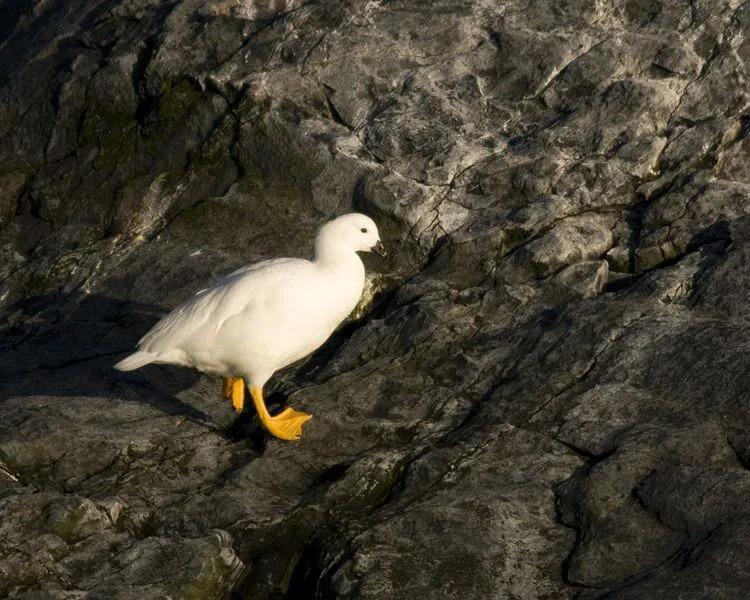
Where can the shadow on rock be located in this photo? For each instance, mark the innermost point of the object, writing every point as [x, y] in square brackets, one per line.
[713, 242]
[56, 349]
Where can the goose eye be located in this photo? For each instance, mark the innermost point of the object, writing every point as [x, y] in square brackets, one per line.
[364, 230]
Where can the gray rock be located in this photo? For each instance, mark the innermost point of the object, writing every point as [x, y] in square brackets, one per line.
[543, 393]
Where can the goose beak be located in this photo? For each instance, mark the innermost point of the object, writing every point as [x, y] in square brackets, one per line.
[379, 249]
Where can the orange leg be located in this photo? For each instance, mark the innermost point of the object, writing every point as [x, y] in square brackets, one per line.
[233, 388]
[287, 425]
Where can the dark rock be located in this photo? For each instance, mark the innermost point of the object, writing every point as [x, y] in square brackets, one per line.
[544, 391]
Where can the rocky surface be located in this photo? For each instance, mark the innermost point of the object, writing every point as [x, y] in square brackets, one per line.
[546, 394]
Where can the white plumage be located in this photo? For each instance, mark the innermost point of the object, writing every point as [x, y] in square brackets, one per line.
[265, 316]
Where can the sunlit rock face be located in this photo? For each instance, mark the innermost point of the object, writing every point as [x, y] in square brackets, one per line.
[543, 393]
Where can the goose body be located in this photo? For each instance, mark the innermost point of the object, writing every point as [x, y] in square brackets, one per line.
[267, 315]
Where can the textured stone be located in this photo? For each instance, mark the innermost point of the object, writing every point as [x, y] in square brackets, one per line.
[544, 391]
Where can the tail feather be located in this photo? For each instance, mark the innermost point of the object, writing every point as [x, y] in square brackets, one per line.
[135, 361]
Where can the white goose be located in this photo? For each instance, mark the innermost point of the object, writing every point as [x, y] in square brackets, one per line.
[264, 317]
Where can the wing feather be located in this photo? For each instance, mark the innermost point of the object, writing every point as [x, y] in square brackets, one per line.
[227, 297]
